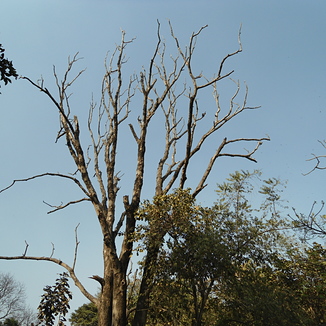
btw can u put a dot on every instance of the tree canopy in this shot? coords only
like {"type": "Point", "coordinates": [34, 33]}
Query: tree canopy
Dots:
{"type": "Point", "coordinates": [238, 262]}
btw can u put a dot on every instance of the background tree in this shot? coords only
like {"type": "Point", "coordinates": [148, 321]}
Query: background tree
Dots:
{"type": "Point", "coordinates": [12, 296]}
{"type": "Point", "coordinates": [12, 301]}
{"type": "Point", "coordinates": [163, 94]}
{"type": "Point", "coordinates": [7, 69]}
{"type": "Point", "coordinates": [85, 315]}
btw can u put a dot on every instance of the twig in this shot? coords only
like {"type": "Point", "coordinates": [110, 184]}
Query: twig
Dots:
{"type": "Point", "coordinates": [26, 247]}
{"type": "Point", "coordinates": [76, 246]}
{"type": "Point", "coordinates": [65, 205]}
{"type": "Point", "coordinates": [53, 249]}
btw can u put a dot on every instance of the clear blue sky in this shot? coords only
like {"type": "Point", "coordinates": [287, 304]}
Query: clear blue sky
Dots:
{"type": "Point", "coordinates": [283, 63]}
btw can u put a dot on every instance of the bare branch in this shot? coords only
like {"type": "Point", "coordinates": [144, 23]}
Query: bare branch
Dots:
{"type": "Point", "coordinates": [313, 224]}
{"type": "Point", "coordinates": [97, 147]}
{"type": "Point", "coordinates": [60, 263]}
{"type": "Point", "coordinates": [230, 55]}
{"type": "Point", "coordinates": [25, 251]}
{"type": "Point", "coordinates": [51, 175]}
{"type": "Point", "coordinates": [249, 154]}
{"type": "Point", "coordinates": [318, 159]}
{"type": "Point", "coordinates": [53, 249]}
{"type": "Point", "coordinates": [76, 247]}
{"type": "Point", "coordinates": [46, 91]}
{"type": "Point", "coordinates": [57, 208]}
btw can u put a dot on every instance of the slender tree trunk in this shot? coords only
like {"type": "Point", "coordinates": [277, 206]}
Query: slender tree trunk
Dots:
{"type": "Point", "coordinates": [145, 287]}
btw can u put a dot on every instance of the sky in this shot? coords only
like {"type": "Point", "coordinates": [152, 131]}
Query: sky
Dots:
{"type": "Point", "coordinates": [283, 64]}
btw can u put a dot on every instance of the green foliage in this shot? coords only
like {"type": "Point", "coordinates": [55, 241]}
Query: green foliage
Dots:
{"type": "Point", "coordinates": [7, 69]}
{"type": "Point", "coordinates": [86, 315]}
{"type": "Point", "coordinates": [10, 322]}
{"type": "Point", "coordinates": [305, 272]}
{"type": "Point", "coordinates": [204, 259]}
{"type": "Point", "coordinates": [55, 302]}
{"type": "Point", "coordinates": [168, 213]}
{"type": "Point", "coordinates": [230, 264]}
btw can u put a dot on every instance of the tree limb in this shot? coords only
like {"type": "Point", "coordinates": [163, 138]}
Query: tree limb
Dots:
{"type": "Point", "coordinates": [57, 208]}
{"type": "Point", "coordinates": [60, 263]}
{"type": "Point", "coordinates": [51, 175]}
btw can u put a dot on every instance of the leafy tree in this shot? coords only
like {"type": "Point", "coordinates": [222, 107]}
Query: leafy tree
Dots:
{"type": "Point", "coordinates": [231, 264]}
{"type": "Point", "coordinates": [207, 249]}
{"type": "Point", "coordinates": [7, 69]}
{"type": "Point", "coordinates": [166, 99]}
{"type": "Point", "coordinates": [55, 302]}
{"type": "Point", "coordinates": [86, 315]}
{"type": "Point", "coordinates": [304, 272]}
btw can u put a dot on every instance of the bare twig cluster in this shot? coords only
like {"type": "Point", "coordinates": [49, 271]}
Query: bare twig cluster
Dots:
{"type": "Point", "coordinates": [318, 159]}
{"type": "Point", "coordinates": [313, 224]}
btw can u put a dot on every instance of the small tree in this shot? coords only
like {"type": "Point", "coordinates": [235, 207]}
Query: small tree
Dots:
{"type": "Point", "coordinates": [55, 302]}
{"type": "Point", "coordinates": [160, 89]}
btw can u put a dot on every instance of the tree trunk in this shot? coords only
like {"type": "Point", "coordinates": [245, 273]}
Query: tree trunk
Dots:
{"type": "Point", "coordinates": [105, 305]}
{"type": "Point", "coordinates": [112, 306]}
{"type": "Point", "coordinates": [140, 317]}
{"type": "Point", "coordinates": [119, 308]}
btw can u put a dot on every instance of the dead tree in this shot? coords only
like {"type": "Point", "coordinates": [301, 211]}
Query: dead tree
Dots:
{"type": "Point", "coordinates": [160, 90]}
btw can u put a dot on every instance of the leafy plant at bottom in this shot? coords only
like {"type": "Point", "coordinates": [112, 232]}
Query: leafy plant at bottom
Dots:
{"type": "Point", "coordinates": [55, 302]}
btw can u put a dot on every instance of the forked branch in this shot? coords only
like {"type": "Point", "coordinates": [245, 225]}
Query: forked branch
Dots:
{"type": "Point", "coordinates": [318, 159]}
{"type": "Point", "coordinates": [59, 262]}
{"type": "Point", "coordinates": [311, 225]}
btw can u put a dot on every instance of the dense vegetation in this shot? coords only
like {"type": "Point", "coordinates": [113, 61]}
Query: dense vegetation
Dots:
{"type": "Point", "coordinates": [231, 264]}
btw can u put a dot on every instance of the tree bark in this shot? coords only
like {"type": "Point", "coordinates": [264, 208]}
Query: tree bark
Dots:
{"type": "Point", "coordinates": [143, 302]}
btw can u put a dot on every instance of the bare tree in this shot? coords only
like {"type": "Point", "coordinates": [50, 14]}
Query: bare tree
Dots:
{"type": "Point", "coordinates": [12, 301]}
{"type": "Point", "coordinates": [12, 296]}
{"type": "Point", "coordinates": [164, 93]}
